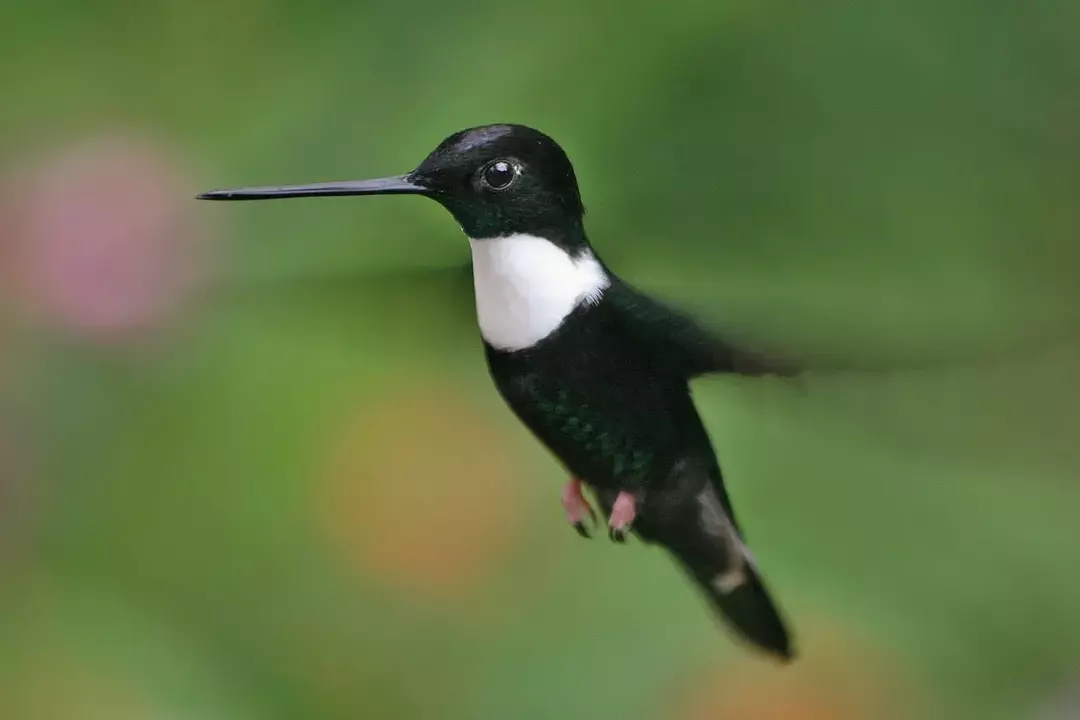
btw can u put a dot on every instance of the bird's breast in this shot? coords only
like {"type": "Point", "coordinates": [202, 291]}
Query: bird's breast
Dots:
{"type": "Point", "coordinates": [526, 286]}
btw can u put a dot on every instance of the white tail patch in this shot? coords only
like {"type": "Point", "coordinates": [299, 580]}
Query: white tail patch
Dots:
{"type": "Point", "coordinates": [730, 580]}
{"type": "Point", "coordinates": [526, 286]}
{"type": "Point", "coordinates": [715, 521]}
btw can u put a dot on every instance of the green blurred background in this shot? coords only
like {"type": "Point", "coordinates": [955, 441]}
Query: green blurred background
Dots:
{"type": "Point", "coordinates": [251, 465]}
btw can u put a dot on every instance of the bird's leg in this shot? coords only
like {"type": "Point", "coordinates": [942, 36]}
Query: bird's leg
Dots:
{"type": "Point", "coordinates": [577, 507]}
{"type": "Point", "coordinates": [623, 513]}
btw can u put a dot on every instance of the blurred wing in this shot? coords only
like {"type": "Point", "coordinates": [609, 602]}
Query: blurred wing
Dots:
{"type": "Point", "coordinates": [398, 289]}
{"type": "Point", "coordinates": [682, 340]}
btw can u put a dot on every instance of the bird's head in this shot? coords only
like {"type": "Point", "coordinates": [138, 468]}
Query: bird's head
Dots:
{"type": "Point", "coordinates": [496, 180]}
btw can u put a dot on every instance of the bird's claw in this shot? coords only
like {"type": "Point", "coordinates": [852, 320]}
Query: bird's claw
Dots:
{"type": "Point", "coordinates": [623, 513]}
{"type": "Point", "coordinates": [577, 508]}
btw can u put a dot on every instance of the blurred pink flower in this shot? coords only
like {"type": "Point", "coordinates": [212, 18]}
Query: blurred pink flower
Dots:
{"type": "Point", "coordinates": [102, 239]}
{"type": "Point", "coordinates": [1062, 704]}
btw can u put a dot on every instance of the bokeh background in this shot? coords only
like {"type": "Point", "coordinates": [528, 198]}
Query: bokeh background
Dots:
{"type": "Point", "coordinates": [251, 466]}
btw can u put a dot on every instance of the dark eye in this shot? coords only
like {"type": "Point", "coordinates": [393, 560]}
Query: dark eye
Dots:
{"type": "Point", "coordinates": [500, 174]}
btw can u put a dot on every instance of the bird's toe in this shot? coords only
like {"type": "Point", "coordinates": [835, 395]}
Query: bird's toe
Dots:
{"type": "Point", "coordinates": [578, 508]}
{"type": "Point", "coordinates": [623, 513]}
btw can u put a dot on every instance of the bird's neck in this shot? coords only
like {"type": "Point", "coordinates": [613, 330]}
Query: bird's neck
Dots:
{"type": "Point", "coordinates": [527, 285]}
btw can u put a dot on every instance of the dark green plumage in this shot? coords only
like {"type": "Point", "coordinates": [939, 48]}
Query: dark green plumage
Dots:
{"type": "Point", "coordinates": [608, 393]}
{"type": "Point", "coordinates": [593, 434]}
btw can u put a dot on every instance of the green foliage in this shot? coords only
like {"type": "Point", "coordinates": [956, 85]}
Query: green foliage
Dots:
{"type": "Point", "coordinates": [874, 179]}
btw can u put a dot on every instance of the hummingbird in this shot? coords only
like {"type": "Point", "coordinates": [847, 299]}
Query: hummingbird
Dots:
{"type": "Point", "coordinates": [596, 369]}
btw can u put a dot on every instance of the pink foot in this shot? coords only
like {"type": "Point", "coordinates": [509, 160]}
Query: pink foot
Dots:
{"type": "Point", "coordinates": [623, 513]}
{"type": "Point", "coordinates": [577, 507]}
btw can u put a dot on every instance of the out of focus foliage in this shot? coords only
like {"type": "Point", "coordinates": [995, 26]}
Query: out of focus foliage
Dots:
{"type": "Point", "coordinates": [250, 462]}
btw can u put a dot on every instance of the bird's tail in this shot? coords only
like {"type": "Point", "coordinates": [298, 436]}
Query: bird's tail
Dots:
{"type": "Point", "coordinates": [714, 555]}
{"type": "Point", "coordinates": [746, 606]}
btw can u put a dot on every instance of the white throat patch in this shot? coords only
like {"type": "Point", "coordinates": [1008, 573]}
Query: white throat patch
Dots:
{"type": "Point", "coordinates": [527, 285]}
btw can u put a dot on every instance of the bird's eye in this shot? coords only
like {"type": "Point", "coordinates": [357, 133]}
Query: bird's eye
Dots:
{"type": "Point", "coordinates": [500, 174]}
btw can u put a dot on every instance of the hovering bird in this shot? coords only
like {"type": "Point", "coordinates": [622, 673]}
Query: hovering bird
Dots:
{"type": "Point", "coordinates": [596, 369]}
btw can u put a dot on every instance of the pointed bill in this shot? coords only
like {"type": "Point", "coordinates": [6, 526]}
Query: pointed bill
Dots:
{"type": "Point", "coordinates": [398, 185]}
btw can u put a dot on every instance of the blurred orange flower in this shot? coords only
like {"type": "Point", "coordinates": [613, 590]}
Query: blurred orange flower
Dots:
{"type": "Point", "coordinates": [420, 493]}
{"type": "Point", "coordinates": [836, 677]}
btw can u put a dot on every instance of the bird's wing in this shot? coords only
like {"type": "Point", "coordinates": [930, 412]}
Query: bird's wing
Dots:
{"type": "Point", "coordinates": [682, 340]}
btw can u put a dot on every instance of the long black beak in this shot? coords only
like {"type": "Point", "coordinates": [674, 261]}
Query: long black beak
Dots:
{"type": "Point", "coordinates": [399, 185]}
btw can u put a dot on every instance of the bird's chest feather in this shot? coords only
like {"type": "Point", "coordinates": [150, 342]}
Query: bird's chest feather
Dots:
{"type": "Point", "coordinates": [562, 361]}
{"type": "Point", "coordinates": [593, 403]}
{"type": "Point", "coordinates": [526, 286]}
